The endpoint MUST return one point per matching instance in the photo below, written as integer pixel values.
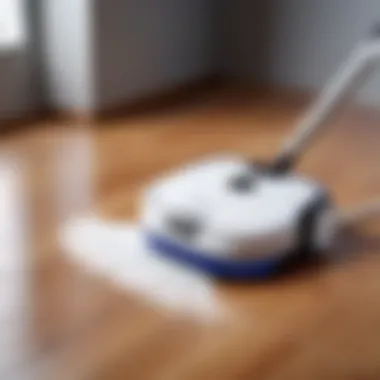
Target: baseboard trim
(180, 95)
(151, 103)
(160, 100)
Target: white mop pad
(117, 252)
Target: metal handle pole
(350, 77)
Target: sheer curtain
(12, 24)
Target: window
(12, 28)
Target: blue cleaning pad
(216, 267)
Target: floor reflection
(73, 173)
(15, 346)
(42, 183)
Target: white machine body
(228, 208)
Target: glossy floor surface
(60, 322)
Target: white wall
(145, 46)
(297, 43)
(104, 53)
(67, 53)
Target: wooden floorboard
(317, 323)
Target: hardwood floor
(59, 322)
